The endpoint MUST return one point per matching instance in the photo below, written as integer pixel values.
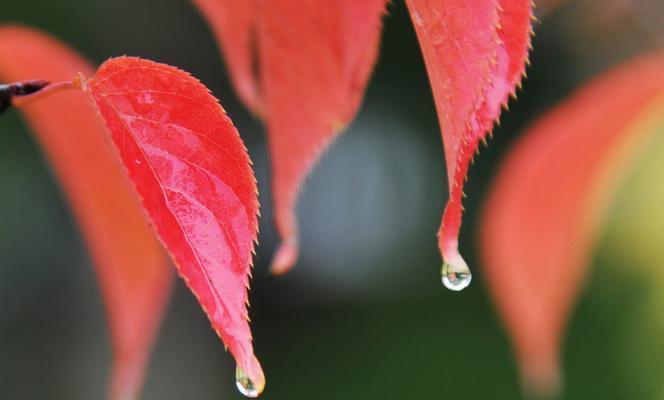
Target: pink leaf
(193, 174)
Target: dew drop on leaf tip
(456, 276)
(245, 385)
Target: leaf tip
(541, 381)
(285, 257)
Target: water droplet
(456, 276)
(245, 385)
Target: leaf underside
(192, 172)
(547, 203)
(131, 266)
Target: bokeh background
(363, 315)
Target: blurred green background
(363, 315)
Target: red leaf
(475, 53)
(314, 59)
(192, 171)
(131, 267)
(545, 208)
(233, 23)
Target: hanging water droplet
(456, 276)
(245, 385)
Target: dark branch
(11, 90)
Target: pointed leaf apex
(285, 258)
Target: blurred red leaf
(194, 176)
(233, 23)
(131, 266)
(475, 53)
(314, 59)
(546, 205)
